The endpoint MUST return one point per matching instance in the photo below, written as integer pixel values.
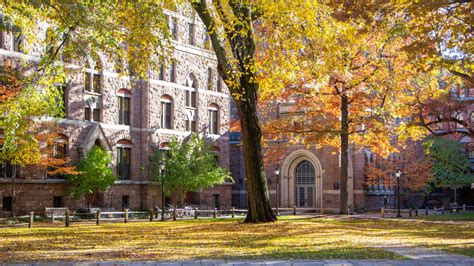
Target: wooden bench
(55, 212)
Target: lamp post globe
(162, 168)
(398, 174)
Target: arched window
(124, 151)
(213, 113)
(123, 101)
(305, 173)
(305, 180)
(166, 111)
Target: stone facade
(195, 70)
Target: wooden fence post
(151, 215)
(409, 213)
(97, 222)
(426, 211)
(416, 211)
(174, 214)
(126, 216)
(66, 222)
(294, 210)
(196, 213)
(30, 223)
(233, 212)
(215, 213)
(382, 212)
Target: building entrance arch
(301, 180)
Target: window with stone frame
(6, 167)
(93, 90)
(166, 112)
(191, 33)
(2, 40)
(213, 114)
(161, 75)
(460, 118)
(92, 109)
(123, 102)
(124, 149)
(191, 124)
(62, 90)
(207, 40)
(17, 39)
(174, 28)
(219, 84)
(210, 77)
(7, 204)
(57, 202)
(58, 149)
(172, 71)
(92, 78)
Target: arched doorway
(305, 185)
(301, 180)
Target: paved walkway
(421, 262)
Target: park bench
(55, 212)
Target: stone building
(128, 118)
(309, 177)
(301, 176)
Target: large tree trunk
(237, 69)
(344, 154)
(259, 209)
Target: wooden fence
(427, 211)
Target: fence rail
(173, 214)
(418, 212)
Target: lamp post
(277, 173)
(398, 174)
(162, 168)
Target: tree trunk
(344, 154)
(259, 209)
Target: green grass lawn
(465, 216)
(290, 238)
